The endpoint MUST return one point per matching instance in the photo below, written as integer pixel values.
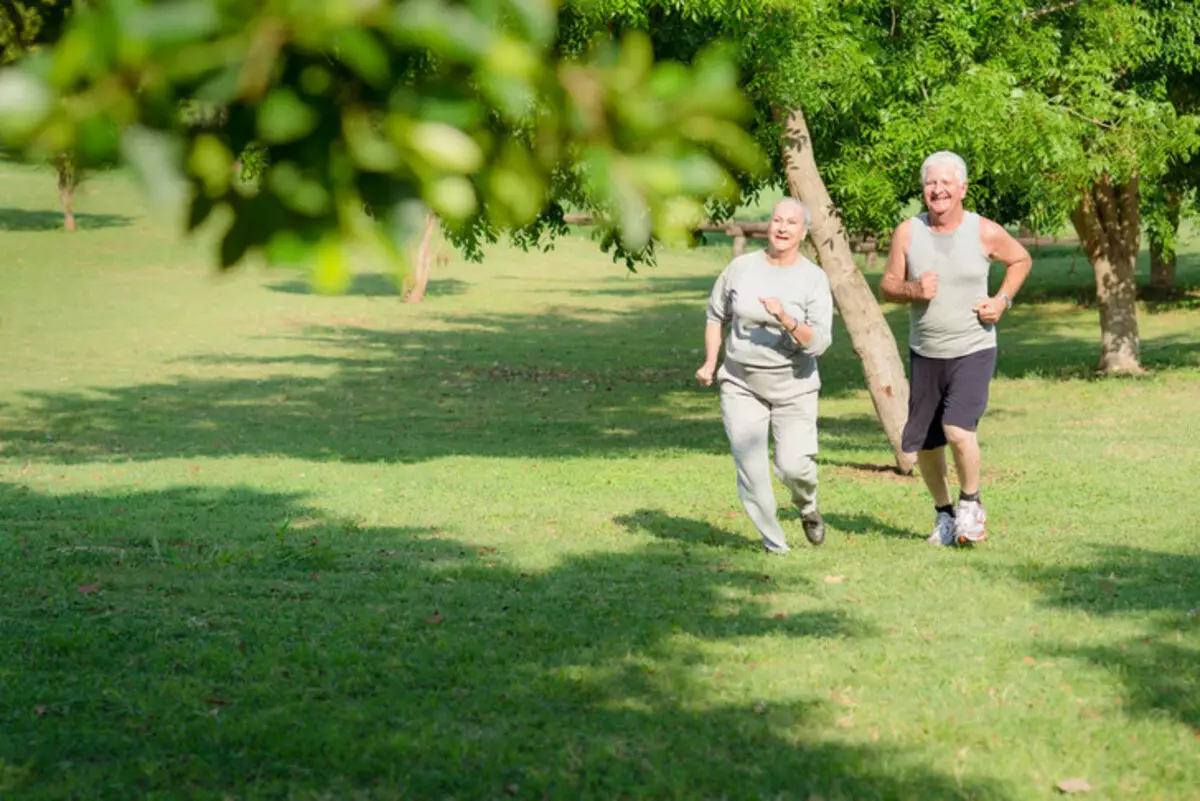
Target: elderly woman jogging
(778, 310)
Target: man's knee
(959, 437)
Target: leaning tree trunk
(870, 334)
(1106, 219)
(1162, 246)
(68, 179)
(423, 261)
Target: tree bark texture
(1107, 220)
(1162, 249)
(870, 335)
(423, 261)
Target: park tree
(1176, 74)
(26, 25)
(368, 115)
(1165, 205)
(808, 70)
(1062, 112)
(1061, 109)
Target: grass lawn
(262, 543)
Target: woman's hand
(773, 307)
(705, 374)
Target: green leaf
(537, 18)
(25, 102)
(358, 49)
(155, 157)
(291, 249)
(298, 192)
(369, 149)
(449, 32)
(452, 197)
(200, 210)
(519, 191)
(330, 271)
(172, 22)
(236, 242)
(284, 117)
(445, 147)
(211, 162)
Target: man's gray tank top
(947, 327)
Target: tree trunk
(870, 335)
(1106, 219)
(1162, 247)
(68, 178)
(423, 261)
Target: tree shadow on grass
(867, 524)
(659, 524)
(501, 385)
(226, 641)
(510, 385)
(375, 285)
(1161, 669)
(1064, 275)
(41, 220)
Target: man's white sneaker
(970, 522)
(943, 530)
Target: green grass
(261, 543)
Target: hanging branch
(1108, 126)
(1041, 12)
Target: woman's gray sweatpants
(753, 402)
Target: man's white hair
(946, 157)
(802, 207)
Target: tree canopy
(1068, 111)
(26, 24)
(389, 108)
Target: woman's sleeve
(719, 307)
(818, 314)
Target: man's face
(786, 228)
(942, 190)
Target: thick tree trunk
(1106, 219)
(870, 335)
(67, 180)
(1162, 247)
(423, 261)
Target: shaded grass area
(376, 285)
(26, 220)
(190, 640)
(490, 383)
(1160, 664)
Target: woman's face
(786, 229)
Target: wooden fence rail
(742, 230)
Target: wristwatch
(1007, 300)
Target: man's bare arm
(1000, 246)
(893, 286)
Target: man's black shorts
(950, 391)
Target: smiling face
(943, 191)
(786, 230)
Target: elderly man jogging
(939, 264)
